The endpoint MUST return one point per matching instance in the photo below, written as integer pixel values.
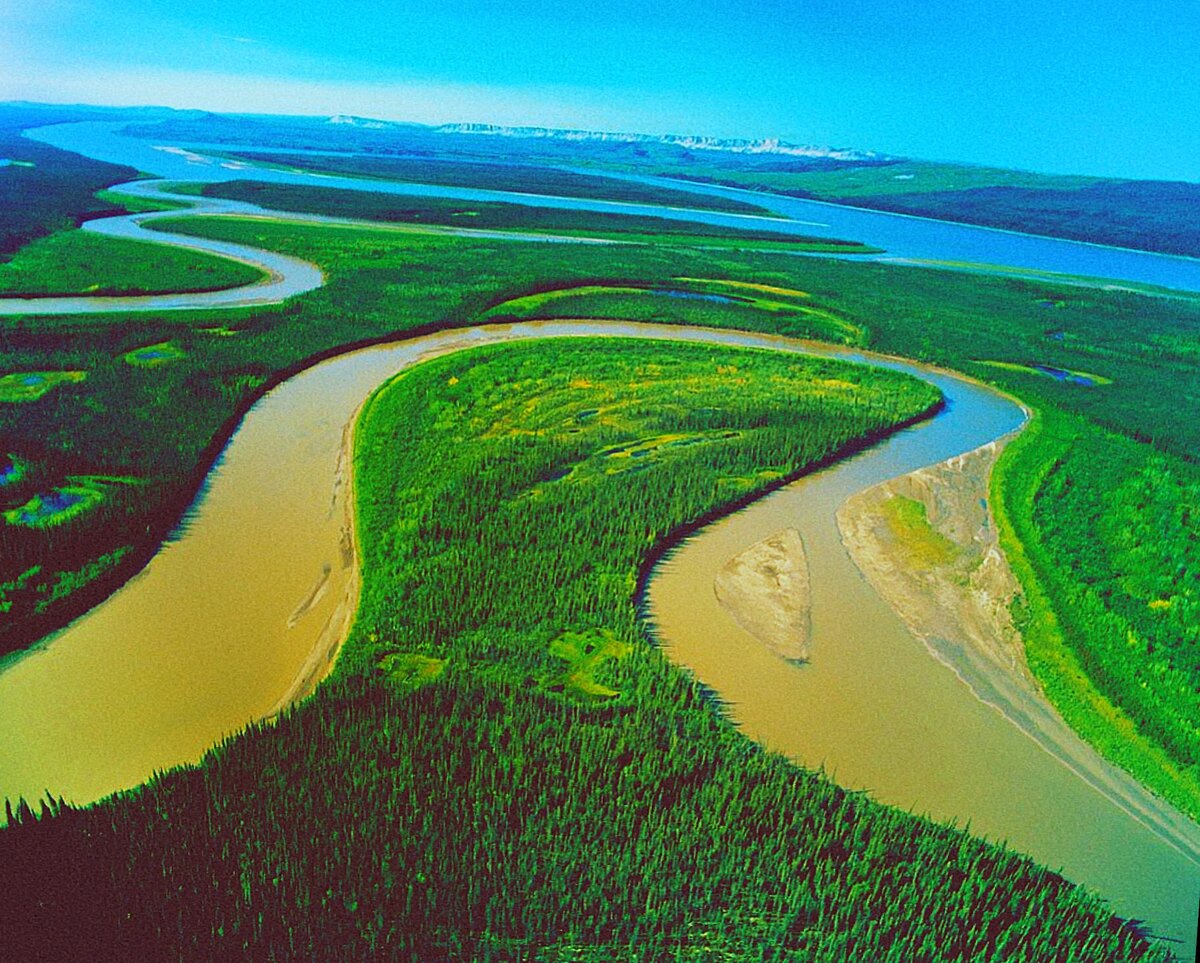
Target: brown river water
(243, 612)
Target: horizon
(1099, 88)
(434, 125)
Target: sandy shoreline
(927, 543)
(336, 630)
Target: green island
(553, 719)
(75, 262)
(518, 178)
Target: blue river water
(901, 236)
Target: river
(242, 611)
(903, 237)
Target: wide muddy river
(244, 609)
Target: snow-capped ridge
(770, 145)
(348, 120)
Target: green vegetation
(153, 355)
(1103, 538)
(1150, 215)
(908, 522)
(1146, 347)
(12, 469)
(135, 204)
(75, 262)
(48, 591)
(853, 182)
(55, 507)
(1060, 374)
(502, 766)
(516, 178)
(1147, 215)
(496, 215)
(648, 304)
(1130, 576)
(19, 386)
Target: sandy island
(766, 590)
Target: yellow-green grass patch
(152, 355)
(411, 669)
(585, 653)
(748, 286)
(529, 303)
(908, 521)
(31, 385)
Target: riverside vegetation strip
(496, 215)
(1143, 345)
(497, 729)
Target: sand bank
(766, 590)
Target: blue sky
(1103, 86)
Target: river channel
(243, 611)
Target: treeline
(1108, 540)
(483, 815)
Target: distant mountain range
(686, 141)
(769, 145)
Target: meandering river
(243, 611)
(903, 237)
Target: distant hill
(771, 146)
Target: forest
(498, 728)
(1098, 504)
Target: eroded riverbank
(928, 544)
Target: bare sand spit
(766, 590)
